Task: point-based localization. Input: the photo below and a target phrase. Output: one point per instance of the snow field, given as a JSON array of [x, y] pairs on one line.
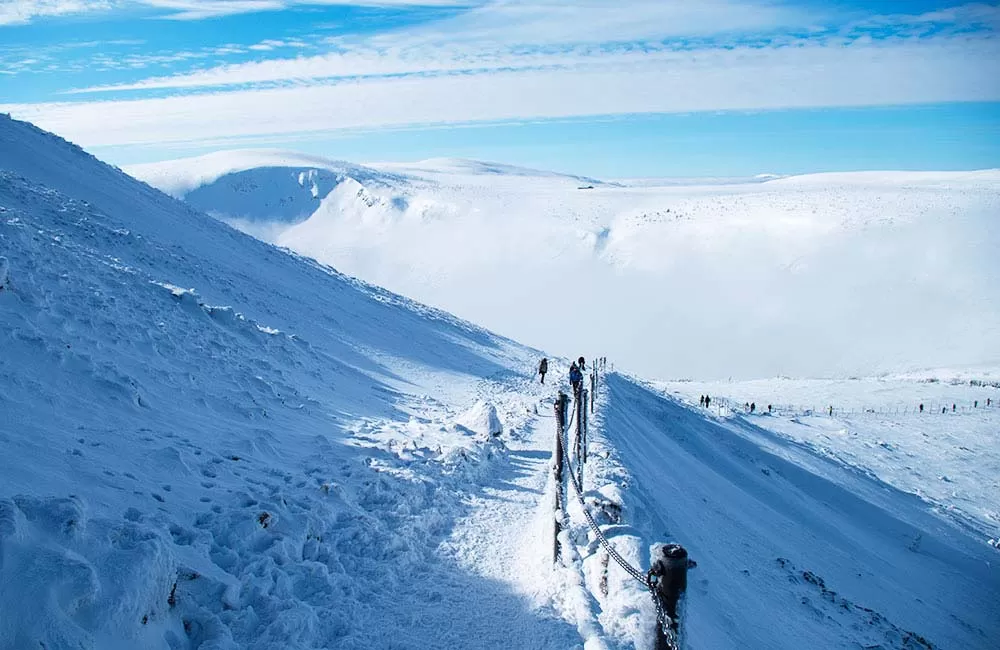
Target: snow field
[[827, 274], [951, 459], [794, 548]]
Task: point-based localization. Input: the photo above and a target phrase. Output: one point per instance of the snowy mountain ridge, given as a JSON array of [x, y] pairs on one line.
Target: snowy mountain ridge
[[848, 273], [193, 422], [209, 443]]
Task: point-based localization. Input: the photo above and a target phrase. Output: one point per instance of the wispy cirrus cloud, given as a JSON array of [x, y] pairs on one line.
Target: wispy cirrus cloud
[[506, 60], [516, 36], [13, 12], [746, 78]]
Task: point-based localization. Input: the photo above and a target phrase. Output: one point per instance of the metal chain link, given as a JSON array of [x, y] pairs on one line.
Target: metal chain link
[[647, 579], [578, 489]]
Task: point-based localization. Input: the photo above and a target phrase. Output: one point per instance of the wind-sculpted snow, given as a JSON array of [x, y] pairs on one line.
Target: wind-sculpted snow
[[260, 192]]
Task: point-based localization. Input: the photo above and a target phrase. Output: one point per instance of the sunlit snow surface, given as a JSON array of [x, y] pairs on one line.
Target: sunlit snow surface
[[207, 442], [949, 457], [826, 274]]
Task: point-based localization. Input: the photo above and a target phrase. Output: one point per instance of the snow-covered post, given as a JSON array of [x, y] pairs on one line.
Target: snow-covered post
[[4, 273], [581, 450], [580, 402], [557, 471], [668, 568], [593, 388]]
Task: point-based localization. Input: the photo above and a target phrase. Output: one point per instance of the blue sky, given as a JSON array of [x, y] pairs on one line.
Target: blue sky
[[601, 87]]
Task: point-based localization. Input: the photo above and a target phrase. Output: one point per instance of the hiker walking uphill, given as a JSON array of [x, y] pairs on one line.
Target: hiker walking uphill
[[575, 377], [543, 368]]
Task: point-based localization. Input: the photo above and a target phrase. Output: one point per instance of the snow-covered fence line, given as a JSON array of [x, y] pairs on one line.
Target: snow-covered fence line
[[724, 406], [666, 579]]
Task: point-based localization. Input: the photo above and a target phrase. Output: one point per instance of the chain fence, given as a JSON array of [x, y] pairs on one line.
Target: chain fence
[[647, 579], [724, 405]]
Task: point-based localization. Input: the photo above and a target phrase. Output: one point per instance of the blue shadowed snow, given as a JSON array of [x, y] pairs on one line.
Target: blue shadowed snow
[[208, 442]]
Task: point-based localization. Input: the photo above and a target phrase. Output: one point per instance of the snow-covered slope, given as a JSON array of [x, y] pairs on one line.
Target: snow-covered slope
[[258, 191], [820, 275], [210, 443], [796, 546]]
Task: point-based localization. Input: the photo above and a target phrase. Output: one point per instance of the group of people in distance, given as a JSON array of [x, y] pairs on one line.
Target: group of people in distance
[[575, 371]]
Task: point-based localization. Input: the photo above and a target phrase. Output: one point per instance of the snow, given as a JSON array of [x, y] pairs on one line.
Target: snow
[[179, 178], [186, 406], [795, 548], [209, 442], [951, 460], [837, 274], [482, 419]]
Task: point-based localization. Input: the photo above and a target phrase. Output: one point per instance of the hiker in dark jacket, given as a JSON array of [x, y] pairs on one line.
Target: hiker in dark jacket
[[583, 363], [575, 377], [543, 368]]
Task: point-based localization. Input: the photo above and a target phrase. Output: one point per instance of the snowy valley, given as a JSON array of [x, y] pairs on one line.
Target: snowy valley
[[210, 442], [850, 274]]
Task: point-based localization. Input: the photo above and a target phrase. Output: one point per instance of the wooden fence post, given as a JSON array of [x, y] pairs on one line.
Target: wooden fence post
[[581, 413], [581, 451], [593, 388], [557, 470], [668, 565]]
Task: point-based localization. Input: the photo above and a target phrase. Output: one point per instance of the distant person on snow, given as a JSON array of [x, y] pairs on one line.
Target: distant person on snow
[[952, 408], [583, 363], [543, 368], [921, 408], [708, 400], [831, 411], [575, 377], [701, 401], [769, 409], [753, 406]]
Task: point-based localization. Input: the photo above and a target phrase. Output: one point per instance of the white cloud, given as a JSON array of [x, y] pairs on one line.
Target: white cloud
[[518, 35], [804, 75], [13, 12], [200, 9], [596, 21]]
